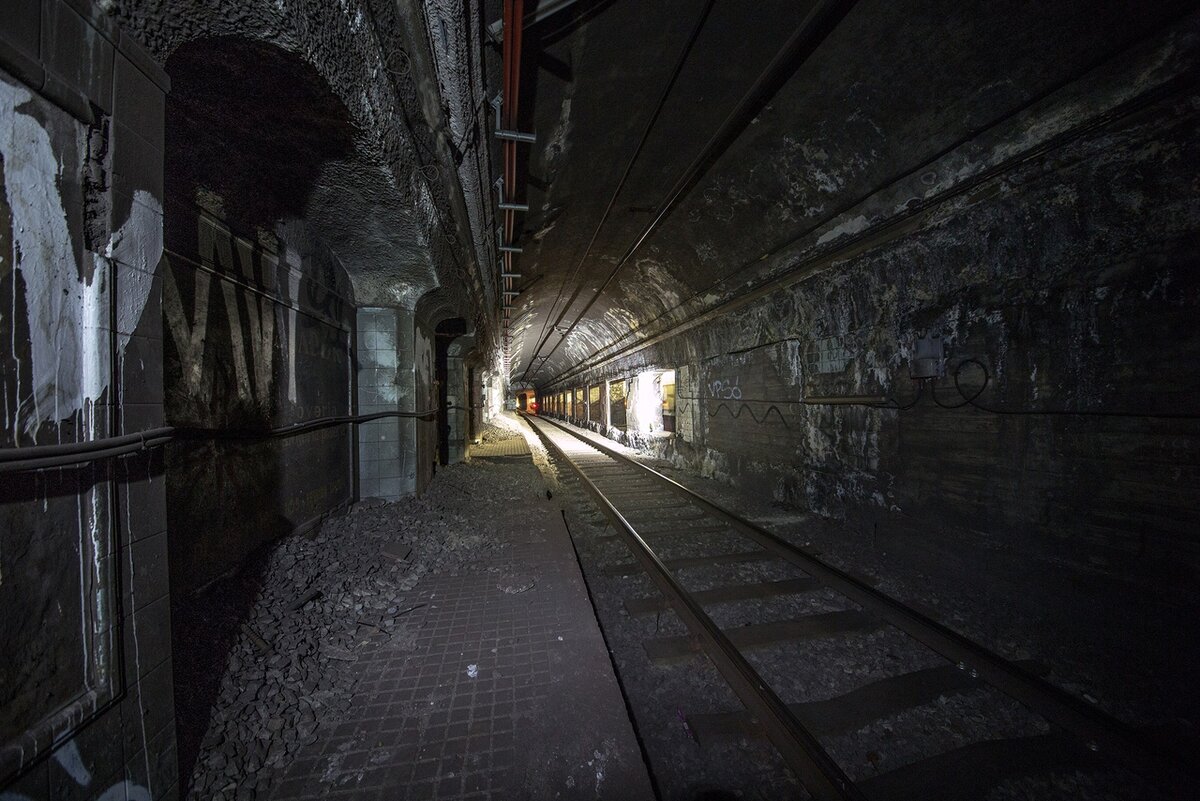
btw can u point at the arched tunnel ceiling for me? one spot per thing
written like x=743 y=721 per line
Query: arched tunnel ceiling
x=282 y=147
x=894 y=86
x=315 y=111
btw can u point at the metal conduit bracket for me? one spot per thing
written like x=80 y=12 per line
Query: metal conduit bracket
x=515 y=136
x=511 y=249
x=507 y=206
x=510 y=275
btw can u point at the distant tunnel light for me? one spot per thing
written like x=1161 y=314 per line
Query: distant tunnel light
x=647 y=401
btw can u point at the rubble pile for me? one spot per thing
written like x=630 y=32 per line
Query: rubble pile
x=323 y=601
x=499 y=430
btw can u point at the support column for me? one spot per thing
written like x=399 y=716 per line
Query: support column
x=386 y=383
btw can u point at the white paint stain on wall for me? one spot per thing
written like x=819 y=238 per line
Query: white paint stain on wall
x=58 y=303
x=67 y=308
x=138 y=243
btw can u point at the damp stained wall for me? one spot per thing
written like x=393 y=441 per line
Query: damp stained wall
x=258 y=338
x=245 y=322
x=88 y=708
x=1059 y=251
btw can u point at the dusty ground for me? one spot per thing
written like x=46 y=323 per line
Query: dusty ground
x=290 y=663
x=299 y=617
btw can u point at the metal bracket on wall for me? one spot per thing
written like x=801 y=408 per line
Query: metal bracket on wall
x=515 y=136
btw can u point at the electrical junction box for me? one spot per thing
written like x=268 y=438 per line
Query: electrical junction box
x=929 y=358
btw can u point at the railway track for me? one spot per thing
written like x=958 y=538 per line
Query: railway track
x=649 y=511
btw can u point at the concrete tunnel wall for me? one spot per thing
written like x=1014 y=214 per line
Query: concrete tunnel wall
x=1060 y=252
x=145 y=293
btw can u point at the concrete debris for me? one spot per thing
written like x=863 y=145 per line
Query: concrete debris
x=320 y=604
x=396 y=551
x=492 y=432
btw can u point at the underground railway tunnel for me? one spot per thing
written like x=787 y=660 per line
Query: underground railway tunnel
x=547 y=399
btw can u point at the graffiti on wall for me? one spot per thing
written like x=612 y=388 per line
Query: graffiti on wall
x=255 y=338
x=725 y=389
x=228 y=338
x=56 y=377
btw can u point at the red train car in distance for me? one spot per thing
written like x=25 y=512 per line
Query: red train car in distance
x=527 y=402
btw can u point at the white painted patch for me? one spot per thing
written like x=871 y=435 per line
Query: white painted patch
x=126 y=791
x=294 y=267
x=58 y=304
x=69 y=758
x=847 y=228
x=138 y=243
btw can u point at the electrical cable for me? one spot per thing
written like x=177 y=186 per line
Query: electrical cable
x=40 y=457
x=971 y=400
x=680 y=63
x=821 y=21
x=903 y=407
x=966 y=401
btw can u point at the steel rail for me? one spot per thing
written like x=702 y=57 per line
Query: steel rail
x=1149 y=757
x=802 y=752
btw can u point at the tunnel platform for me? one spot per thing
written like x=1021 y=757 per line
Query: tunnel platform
x=503 y=687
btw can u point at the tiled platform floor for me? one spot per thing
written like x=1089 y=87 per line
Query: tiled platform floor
x=517 y=446
x=507 y=691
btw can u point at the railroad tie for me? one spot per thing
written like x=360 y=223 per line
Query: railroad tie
x=855 y=709
x=635 y=568
x=970 y=772
x=757 y=635
x=728 y=594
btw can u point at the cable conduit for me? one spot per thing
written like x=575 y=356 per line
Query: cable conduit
x=39 y=457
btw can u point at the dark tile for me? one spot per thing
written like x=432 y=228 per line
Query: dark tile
x=156 y=768
x=136 y=165
x=147 y=708
x=95 y=754
x=147 y=638
x=23 y=25
x=144 y=575
x=138 y=103
x=172 y=793
x=76 y=54
x=141 y=495
x=142 y=371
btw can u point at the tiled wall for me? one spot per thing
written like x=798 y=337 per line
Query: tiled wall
x=387 y=467
x=77 y=88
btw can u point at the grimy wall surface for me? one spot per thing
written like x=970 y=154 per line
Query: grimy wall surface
x=258 y=338
x=277 y=159
x=1059 y=250
x=86 y=685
